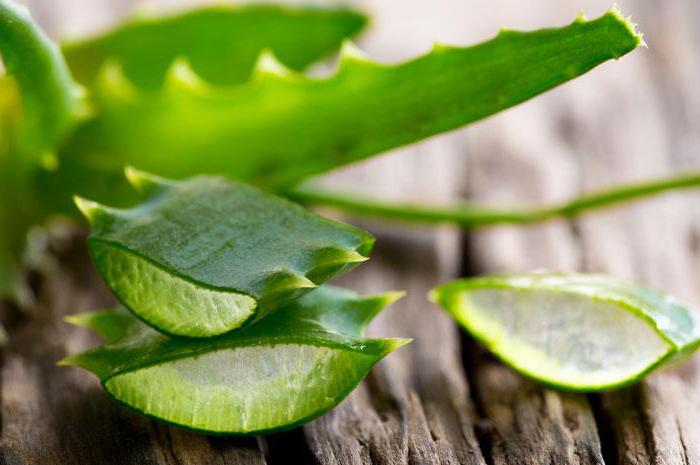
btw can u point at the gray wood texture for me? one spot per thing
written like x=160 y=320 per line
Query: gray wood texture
x=442 y=399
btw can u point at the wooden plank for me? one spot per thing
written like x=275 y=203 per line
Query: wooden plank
x=663 y=237
x=529 y=423
x=618 y=124
x=415 y=406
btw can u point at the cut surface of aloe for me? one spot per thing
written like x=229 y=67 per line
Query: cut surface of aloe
x=287 y=369
x=204 y=256
x=574 y=331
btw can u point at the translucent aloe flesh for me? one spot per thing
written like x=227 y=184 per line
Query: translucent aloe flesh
x=221 y=42
x=579 y=332
x=285 y=370
x=281 y=127
x=203 y=256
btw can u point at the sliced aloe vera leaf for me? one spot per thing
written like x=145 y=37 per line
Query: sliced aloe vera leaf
x=203 y=256
x=281 y=126
x=285 y=370
x=573 y=331
x=221 y=42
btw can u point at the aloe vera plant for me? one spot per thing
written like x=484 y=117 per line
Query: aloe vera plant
x=262 y=131
x=203 y=256
x=223 y=272
x=285 y=370
x=573 y=331
x=200 y=120
x=40 y=103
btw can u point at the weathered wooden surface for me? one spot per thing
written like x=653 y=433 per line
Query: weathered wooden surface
x=442 y=399
x=626 y=122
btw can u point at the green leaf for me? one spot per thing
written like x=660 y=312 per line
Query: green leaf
x=573 y=331
x=221 y=42
x=469 y=215
x=281 y=127
x=39 y=104
x=204 y=256
x=52 y=103
x=285 y=370
x=11 y=237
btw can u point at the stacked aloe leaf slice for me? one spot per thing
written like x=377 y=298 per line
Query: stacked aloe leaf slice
x=221 y=328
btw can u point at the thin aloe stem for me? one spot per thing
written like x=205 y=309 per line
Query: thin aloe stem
x=470 y=216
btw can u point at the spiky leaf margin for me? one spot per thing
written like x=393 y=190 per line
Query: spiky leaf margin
x=204 y=256
x=283 y=126
x=329 y=319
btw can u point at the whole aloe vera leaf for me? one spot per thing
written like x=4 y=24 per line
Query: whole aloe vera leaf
x=220 y=42
x=283 y=371
x=204 y=256
x=573 y=331
x=281 y=127
x=39 y=104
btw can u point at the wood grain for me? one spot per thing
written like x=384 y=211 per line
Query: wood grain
x=615 y=126
x=60 y=415
x=442 y=399
x=415 y=407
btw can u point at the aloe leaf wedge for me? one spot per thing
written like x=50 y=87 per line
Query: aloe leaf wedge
x=573 y=331
x=203 y=256
x=282 y=126
x=285 y=370
x=221 y=42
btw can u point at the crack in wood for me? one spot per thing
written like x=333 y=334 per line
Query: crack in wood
x=684 y=448
x=605 y=430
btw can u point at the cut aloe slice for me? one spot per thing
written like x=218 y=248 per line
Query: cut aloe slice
x=573 y=331
x=287 y=369
x=204 y=256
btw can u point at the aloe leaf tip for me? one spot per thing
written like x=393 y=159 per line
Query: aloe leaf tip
x=396 y=343
x=91 y=210
x=616 y=12
x=144 y=182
